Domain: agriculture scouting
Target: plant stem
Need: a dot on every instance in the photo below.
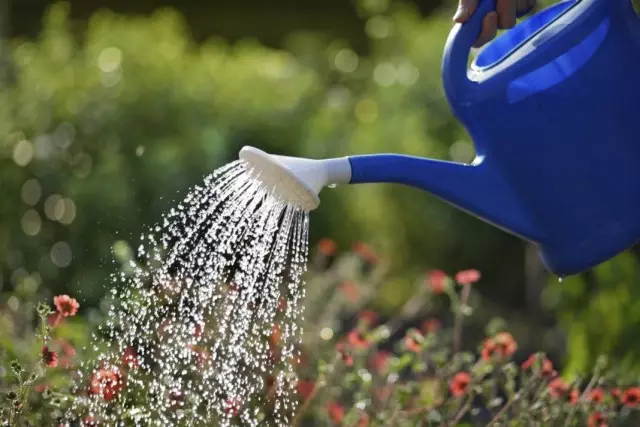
(305, 405)
(319, 384)
(504, 409)
(462, 412)
(587, 390)
(457, 325)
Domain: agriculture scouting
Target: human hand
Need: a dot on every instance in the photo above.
(502, 18)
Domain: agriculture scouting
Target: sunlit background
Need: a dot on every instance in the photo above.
(111, 110)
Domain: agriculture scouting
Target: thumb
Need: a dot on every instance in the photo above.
(465, 10)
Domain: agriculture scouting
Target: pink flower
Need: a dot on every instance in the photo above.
(336, 412)
(327, 247)
(66, 305)
(438, 281)
(380, 360)
(460, 384)
(468, 277)
(106, 382)
(357, 340)
(368, 317)
(49, 357)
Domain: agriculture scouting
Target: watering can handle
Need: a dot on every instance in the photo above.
(457, 49)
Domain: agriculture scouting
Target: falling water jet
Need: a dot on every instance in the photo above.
(196, 310)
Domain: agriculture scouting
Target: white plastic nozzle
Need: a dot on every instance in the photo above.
(296, 180)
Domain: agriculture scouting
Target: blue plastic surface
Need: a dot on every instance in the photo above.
(553, 109)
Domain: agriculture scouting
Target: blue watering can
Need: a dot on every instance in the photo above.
(552, 107)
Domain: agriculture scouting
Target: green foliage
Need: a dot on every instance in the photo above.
(601, 313)
(102, 127)
(355, 368)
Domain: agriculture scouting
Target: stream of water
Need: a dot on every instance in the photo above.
(204, 326)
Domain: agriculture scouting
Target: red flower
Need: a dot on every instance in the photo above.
(573, 396)
(346, 357)
(558, 388)
(130, 358)
(502, 345)
(431, 326)
(460, 384)
(282, 305)
(40, 387)
(336, 412)
(327, 247)
(411, 344)
(379, 361)
(365, 252)
(357, 340)
(631, 397)
(66, 305)
(468, 277)
(232, 407)
(50, 358)
(596, 420)
(305, 388)
(368, 317)
(547, 366)
(616, 393)
(350, 290)
(596, 395)
(438, 281)
(106, 382)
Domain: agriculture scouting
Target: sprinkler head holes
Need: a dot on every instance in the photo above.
(279, 179)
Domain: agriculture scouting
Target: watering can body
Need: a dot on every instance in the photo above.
(553, 108)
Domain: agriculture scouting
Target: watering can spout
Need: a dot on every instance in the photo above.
(295, 180)
(476, 188)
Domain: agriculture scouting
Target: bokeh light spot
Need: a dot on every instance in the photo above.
(385, 74)
(23, 152)
(367, 111)
(54, 207)
(346, 60)
(31, 222)
(379, 27)
(408, 74)
(31, 192)
(109, 59)
(13, 303)
(69, 212)
(326, 334)
(61, 254)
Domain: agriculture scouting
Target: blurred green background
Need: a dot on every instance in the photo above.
(110, 110)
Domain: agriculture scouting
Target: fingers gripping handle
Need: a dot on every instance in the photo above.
(457, 49)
